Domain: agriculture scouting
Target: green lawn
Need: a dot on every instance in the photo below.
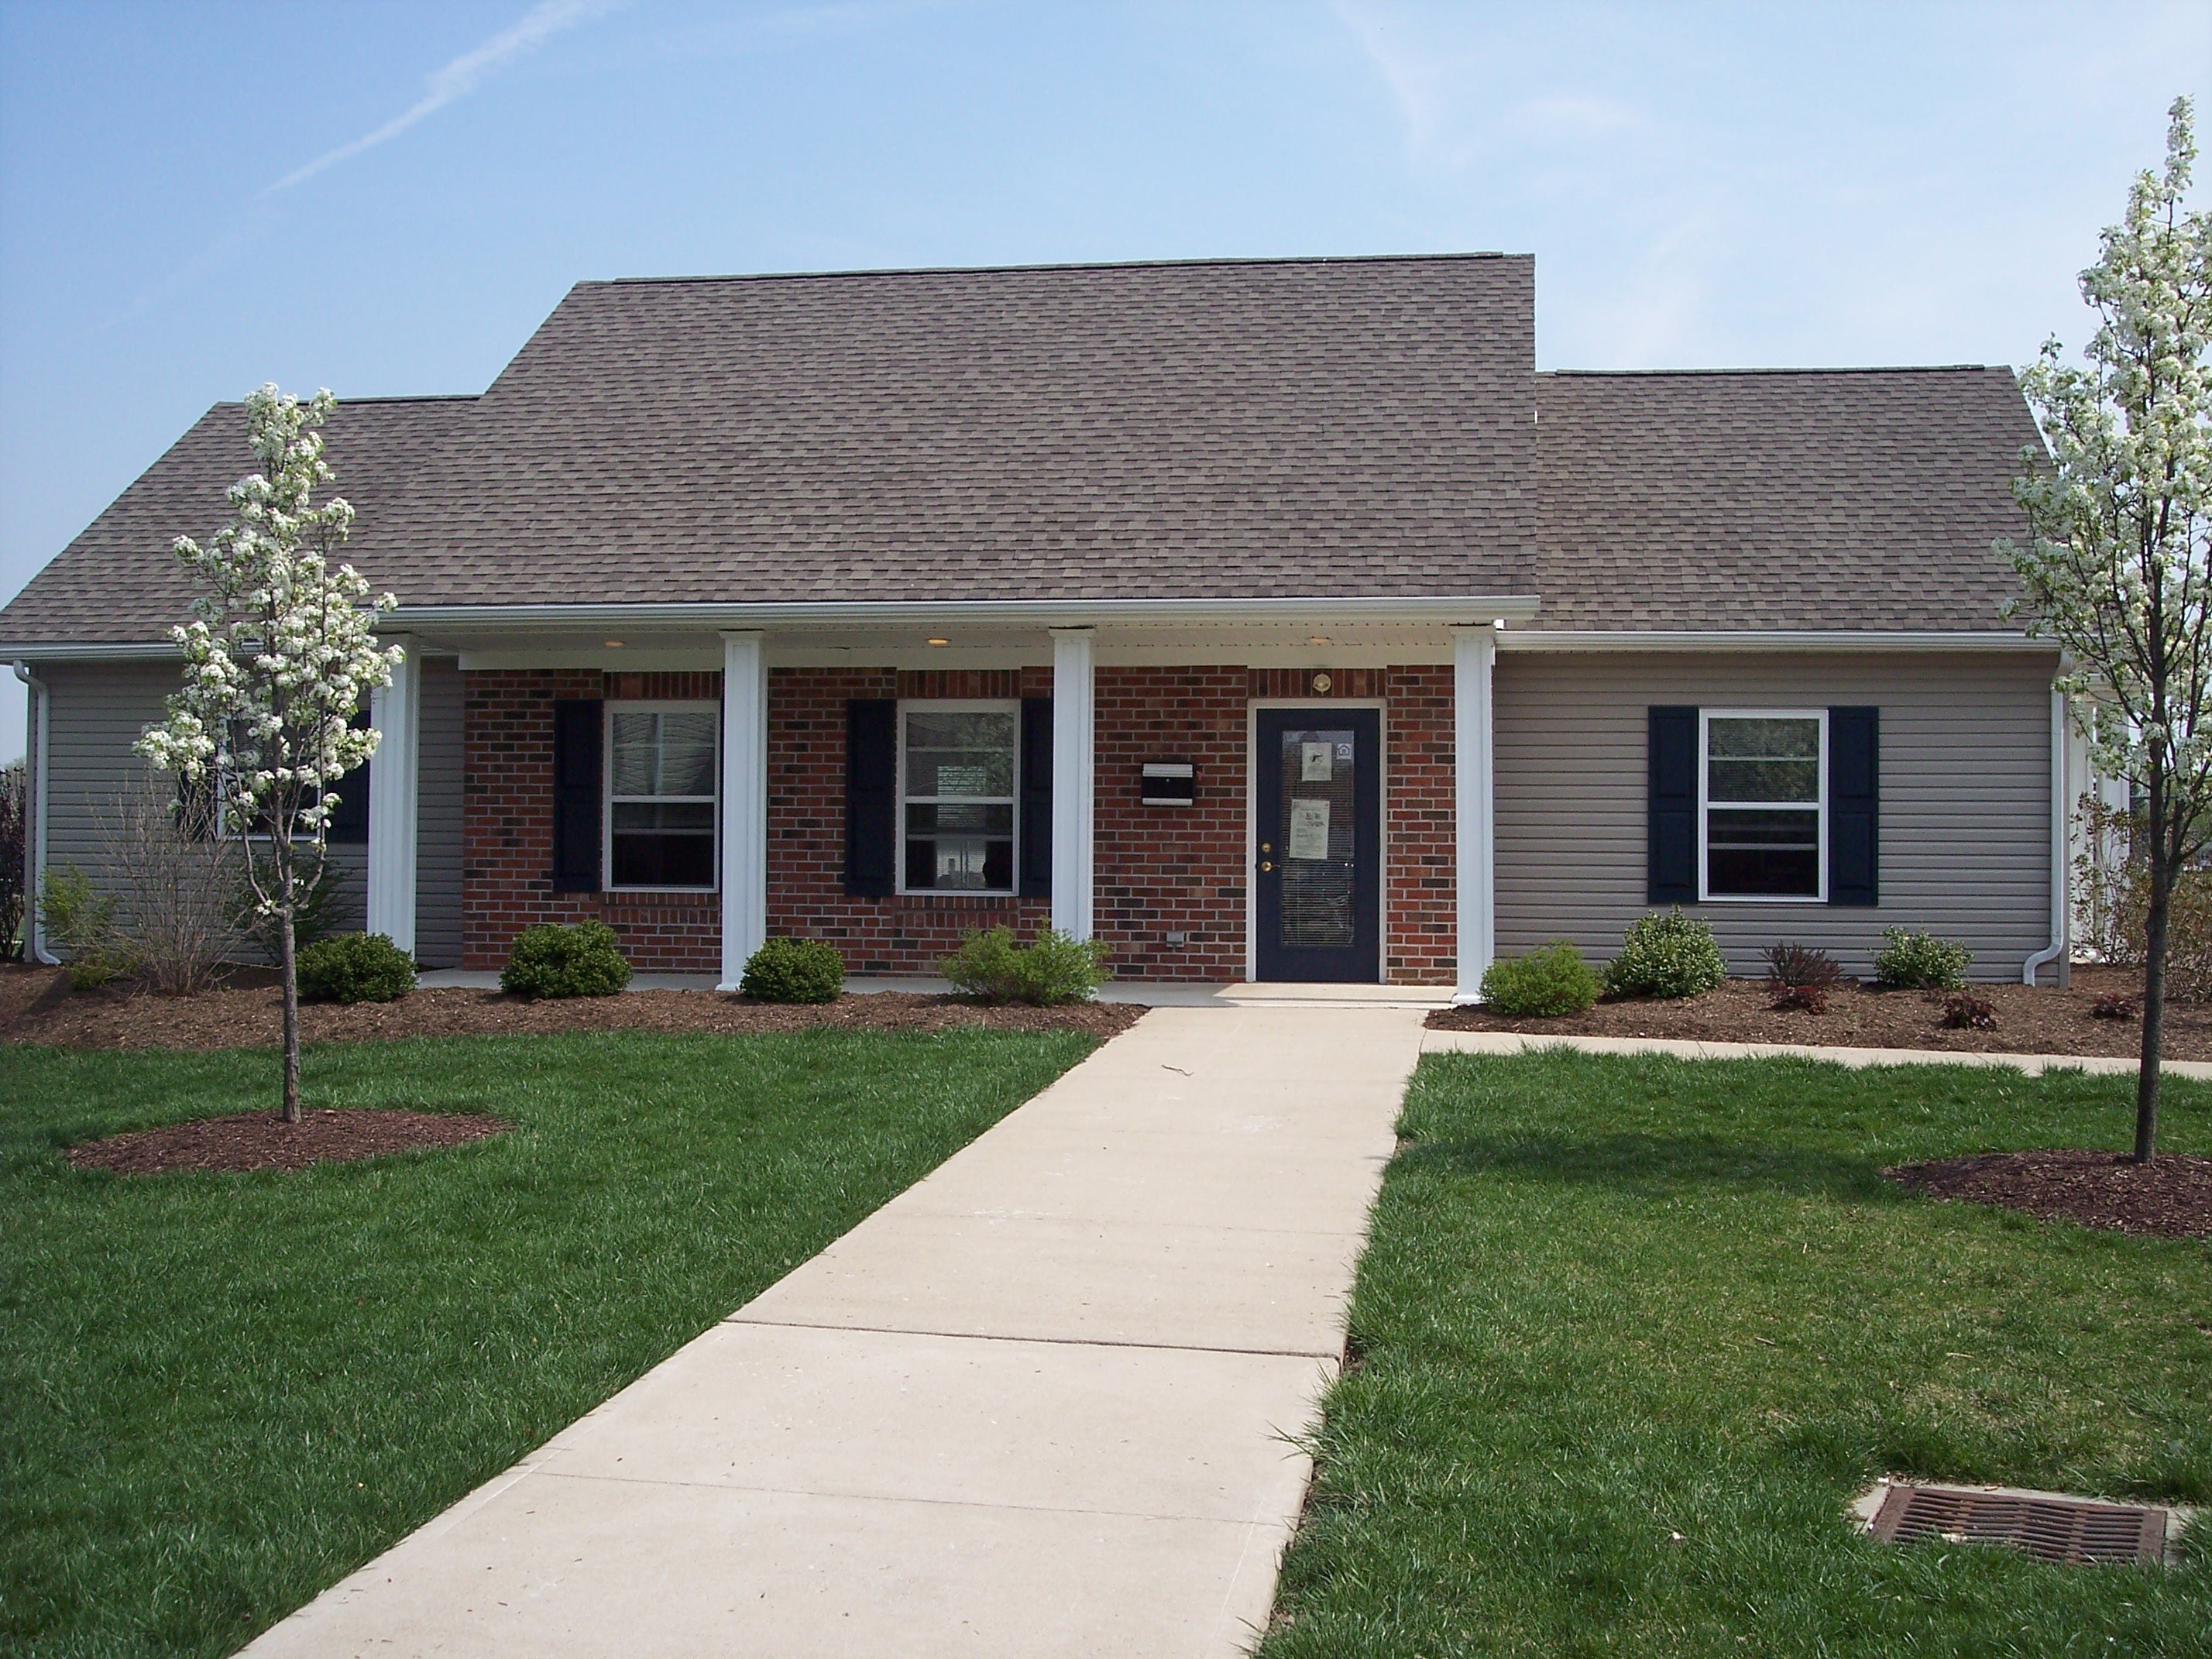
(1611, 1300)
(218, 1394)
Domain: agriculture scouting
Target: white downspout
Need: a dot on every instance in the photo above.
(34, 805)
(2061, 817)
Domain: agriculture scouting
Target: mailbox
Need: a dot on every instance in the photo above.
(1169, 783)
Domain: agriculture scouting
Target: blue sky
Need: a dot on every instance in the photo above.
(387, 197)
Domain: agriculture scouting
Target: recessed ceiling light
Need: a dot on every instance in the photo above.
(940, 642)
(614, 644)
(1317, 639)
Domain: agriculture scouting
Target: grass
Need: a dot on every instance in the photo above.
(222, 1393)
(1632, 1331)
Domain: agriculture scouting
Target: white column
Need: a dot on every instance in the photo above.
(744, 801)
(1072, 782)
(396, 712)
(1474, 650)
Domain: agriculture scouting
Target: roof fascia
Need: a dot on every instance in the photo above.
(90, 651)
(1757, 639)
(1032, 613)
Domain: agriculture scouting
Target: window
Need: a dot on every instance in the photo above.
(661, 772)
(1762, 805)
(956, 791)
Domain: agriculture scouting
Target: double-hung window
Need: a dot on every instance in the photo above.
(662, 767)
(1762, 803)
(957, 787)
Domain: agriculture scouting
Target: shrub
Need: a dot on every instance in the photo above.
(325, 898)
(1800, 976)
(1051, 970)
(1545, 984)
(174, 874)
(1666, 956)
(1964, 1010)
(549, 960)
(13, 816)
(794, 971)
(354, 968)
(81, 918)
(2111, 913)
(1920, 962)
(2113, 1005)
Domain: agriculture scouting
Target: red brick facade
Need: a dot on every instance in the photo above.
(1160, 871)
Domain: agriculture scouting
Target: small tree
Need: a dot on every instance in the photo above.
(15, 819)
(280, 654)
(2118, 565)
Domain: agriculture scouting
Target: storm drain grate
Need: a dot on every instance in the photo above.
(2048, 1527)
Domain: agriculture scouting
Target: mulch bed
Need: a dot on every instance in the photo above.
(2029, 1019)
(2171, 1196)
(37, 1006)
(263, 1141)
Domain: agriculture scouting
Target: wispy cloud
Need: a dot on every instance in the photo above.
(458, 79)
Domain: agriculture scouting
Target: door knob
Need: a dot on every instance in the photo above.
(1265, 865)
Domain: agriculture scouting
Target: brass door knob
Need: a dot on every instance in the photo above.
(1265, 865)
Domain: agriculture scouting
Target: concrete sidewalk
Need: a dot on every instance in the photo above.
(1514, 1042)
(1041, 1404)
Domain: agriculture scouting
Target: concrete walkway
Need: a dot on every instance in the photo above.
(1041, 1404)
(1513, 1042)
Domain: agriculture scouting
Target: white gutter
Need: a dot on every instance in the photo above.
(2060, 814)
(92, 651)
(34, 806)
(1027, 613)
(1763, 638)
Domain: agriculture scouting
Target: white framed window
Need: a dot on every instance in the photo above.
(960, 782)
(1762, 803)
(663, 764)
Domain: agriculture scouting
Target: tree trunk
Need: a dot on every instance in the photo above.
(2154, 1008)
(289, 959)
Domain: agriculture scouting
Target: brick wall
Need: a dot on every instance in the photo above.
(1159, 870)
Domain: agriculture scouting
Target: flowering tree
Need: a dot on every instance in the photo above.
(2118, 565)
(279, 656)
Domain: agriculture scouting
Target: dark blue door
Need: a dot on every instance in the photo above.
(1318, 869)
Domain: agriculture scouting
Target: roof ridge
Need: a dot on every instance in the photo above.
(1858, 368)
(1069, 265)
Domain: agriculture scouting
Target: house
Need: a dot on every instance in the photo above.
(1269, 619)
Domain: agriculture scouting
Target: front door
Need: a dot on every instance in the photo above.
(1317, 851)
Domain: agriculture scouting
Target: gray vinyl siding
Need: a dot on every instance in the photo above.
(1966, 797)
(438, 817)
(95, 715)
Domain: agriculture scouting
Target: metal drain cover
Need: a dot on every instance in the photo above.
(2049, 1526)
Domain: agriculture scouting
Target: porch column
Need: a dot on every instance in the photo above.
(1071, 781)
(396, 712)
(1474, 650)
(744, 801)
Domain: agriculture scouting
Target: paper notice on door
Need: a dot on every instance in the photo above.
(1316, 765)
(1309, 829)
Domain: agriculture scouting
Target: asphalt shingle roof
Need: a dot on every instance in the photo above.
(1777, 499)
(1226, 429)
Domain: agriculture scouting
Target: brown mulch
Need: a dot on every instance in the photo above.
(2171, 1196)
(37, 1006)
(263, 1141)
(2029, 1019)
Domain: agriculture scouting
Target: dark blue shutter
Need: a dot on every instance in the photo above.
(578, 729)
(1671, 807)
(871, 797)
(1854, 806)
(1037, 798)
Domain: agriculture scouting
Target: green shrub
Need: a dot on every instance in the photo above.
(794, 971)
(81, 918)
(1669, 956)
(549, 960)
(1920, 962)
(354, 968)
(1542, 985)
(1052, 970)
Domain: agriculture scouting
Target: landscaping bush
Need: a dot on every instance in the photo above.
(1666, 956)
(354, 968)
(1920, 962)
(15, 811)
(1545, 984)
(2112, 909)
(794, 971)
(1800, 976)
(2113, 1005)
(549, 960)
(1052, 970)
(81, 918)
(1964, 1010)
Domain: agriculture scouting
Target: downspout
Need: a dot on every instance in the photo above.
(2061, 816)
(34, 807)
